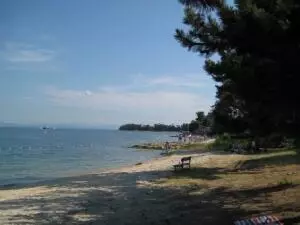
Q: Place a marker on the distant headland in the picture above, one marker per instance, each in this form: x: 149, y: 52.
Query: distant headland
x: 202, y: 124
x: 155, y: 127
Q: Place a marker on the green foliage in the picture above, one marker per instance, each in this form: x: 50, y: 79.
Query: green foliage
x: 222, y: 142
x: 257, y: 73
x: 155, y: 127
x: 202, y: 120
x: 285, y: 182
x: 200, y: 116
x: 202, y: 4
x: 202, y: 124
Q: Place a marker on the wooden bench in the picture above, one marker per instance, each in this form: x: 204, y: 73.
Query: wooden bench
x: 185, y: 162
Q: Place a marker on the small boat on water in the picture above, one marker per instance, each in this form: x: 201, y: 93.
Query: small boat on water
x: 46, y: 128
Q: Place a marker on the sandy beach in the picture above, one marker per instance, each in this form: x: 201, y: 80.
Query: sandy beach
x: 219, y: 189
x: 119, y: 196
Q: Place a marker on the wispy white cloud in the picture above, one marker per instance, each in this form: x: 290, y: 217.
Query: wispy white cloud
x: 120, y: 100
x: 132, y: 106
x: 14, y: 52
x: 189, y: 80
x: 19, y: 56
x: 33, y: 55
x: 163, y: 82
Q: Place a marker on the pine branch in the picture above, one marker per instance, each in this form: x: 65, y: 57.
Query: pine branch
x: 203, y: 5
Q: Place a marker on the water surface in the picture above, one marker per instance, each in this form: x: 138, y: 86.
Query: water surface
x: 31, y: 154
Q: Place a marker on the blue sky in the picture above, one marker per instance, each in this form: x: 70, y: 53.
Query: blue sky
x: 97, y: 63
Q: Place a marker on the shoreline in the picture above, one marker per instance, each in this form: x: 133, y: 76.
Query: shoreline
x: 25, y: 183
x: 151, y: 193
x: 72, y: 196
x: 114, y: 169
x: 155, y: 163
x: 174, y: 145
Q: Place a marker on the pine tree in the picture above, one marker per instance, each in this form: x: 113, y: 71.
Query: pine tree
x: 259, y: 49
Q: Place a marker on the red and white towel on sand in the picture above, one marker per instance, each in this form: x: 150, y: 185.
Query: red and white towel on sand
x: 261, y: 220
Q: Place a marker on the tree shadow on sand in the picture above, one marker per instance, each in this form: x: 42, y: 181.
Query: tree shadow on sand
x: 199, y: 173
x: 127, y: 198
x: 271, y: 160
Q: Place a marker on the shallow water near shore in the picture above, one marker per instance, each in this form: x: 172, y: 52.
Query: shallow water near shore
x: 30, y: 155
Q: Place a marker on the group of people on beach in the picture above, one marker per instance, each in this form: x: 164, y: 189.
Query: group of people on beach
x: 184, y: 137
x: 251, y: 146
x: 188, y: 137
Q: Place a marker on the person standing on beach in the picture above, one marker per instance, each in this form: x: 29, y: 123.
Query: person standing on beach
x: 167, y: 145
x: 179, y: 138
x: 253, y: 145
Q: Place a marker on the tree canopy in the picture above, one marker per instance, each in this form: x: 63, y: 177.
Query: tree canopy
x: 256, y: 73
x: 155, y: 127
x: 202, y: 120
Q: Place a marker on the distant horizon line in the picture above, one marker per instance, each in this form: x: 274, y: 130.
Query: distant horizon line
x: 40, y: 125
x: 60, y: 127
x: 68, y: 125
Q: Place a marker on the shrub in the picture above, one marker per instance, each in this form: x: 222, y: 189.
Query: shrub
x: 285, y: 182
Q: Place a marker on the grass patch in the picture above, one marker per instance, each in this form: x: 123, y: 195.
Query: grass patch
x: 221, y: 143
x: 195, y: 145
x: 245, y: 185
x: 275, y: 158
x: 285, y: 181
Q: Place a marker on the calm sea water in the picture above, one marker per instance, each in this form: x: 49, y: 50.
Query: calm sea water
x: 31, y: 154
